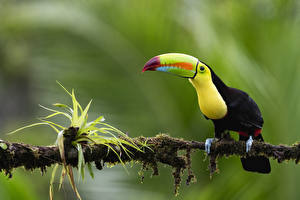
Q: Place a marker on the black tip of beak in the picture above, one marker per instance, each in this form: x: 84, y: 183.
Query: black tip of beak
x: 152, y: 64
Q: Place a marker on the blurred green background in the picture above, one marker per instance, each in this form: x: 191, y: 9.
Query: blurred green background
x: 99, y: 48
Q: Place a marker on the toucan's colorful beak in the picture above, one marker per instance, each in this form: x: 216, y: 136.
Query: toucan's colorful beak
x: 175, y: 63
x: 152, y: 64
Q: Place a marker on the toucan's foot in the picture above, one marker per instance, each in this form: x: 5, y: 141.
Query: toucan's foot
x: 249, y: 144
x: 208, y: 142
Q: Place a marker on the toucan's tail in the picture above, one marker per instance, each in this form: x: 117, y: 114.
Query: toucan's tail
x: 258, y: 164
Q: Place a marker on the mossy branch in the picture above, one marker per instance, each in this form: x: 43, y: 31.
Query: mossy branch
x: 160, y: 149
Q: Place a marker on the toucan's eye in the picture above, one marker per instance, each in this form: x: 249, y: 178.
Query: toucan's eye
x: 202, y: 69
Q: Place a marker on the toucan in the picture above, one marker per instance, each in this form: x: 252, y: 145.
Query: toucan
x: 230, y: 109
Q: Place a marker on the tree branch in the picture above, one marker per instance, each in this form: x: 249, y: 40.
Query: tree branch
x: 163, y: 149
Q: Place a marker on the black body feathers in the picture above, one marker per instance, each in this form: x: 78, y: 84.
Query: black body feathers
x: 243, y: 115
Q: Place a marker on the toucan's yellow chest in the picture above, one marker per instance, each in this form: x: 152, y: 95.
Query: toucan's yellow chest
x: 211, y: 103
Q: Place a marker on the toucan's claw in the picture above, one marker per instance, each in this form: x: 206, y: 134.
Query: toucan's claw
x: 249, y: 144
x: 208, y: 142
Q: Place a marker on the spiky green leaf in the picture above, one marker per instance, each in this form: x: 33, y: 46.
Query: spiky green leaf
x: 81, y: 162
x: 51, y: 181
x: 90, y: 169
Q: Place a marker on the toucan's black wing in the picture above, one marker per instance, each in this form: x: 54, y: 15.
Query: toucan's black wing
x: 244, y: 109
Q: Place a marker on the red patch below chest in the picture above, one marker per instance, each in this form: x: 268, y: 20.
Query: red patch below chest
x: 256, y: 133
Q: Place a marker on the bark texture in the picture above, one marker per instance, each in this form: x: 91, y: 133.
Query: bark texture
x: 161, y: 149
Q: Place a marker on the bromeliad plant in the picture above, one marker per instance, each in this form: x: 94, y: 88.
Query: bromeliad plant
x: 88, y: 133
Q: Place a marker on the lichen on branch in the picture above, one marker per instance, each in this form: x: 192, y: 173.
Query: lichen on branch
x: 159, y: 149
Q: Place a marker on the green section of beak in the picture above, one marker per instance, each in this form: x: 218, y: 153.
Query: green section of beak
x: 174, y: 63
